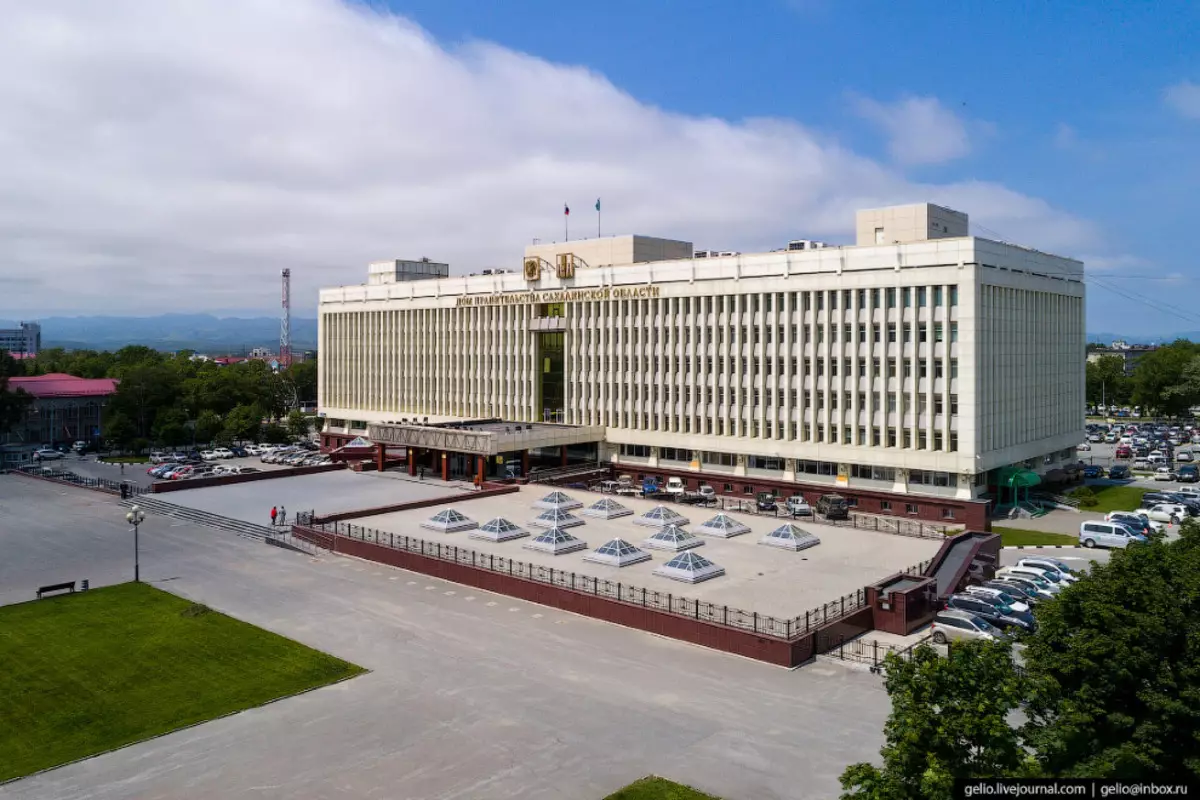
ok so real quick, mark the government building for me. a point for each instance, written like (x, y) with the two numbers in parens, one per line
(913, 372)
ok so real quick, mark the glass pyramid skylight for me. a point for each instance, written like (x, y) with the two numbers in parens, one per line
(555, 541)
(449, 520)
(723, 526)
(556, 518)
(558, 500)
(660, 516)
(606, 509)
(790, 537)
(498, 530)
(689, 568)
(673, 538)
(617, 553)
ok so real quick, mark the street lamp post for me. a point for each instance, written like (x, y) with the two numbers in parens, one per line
(135, 517)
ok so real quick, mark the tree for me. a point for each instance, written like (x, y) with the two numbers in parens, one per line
(119, 429)
(303, 376)
(949, 719)
(298, 425)
(1107, 382)
(1115, 668)
(171, 427)
(275, 434)
(1186, 390)
(244, 422)
(13, 402)
(1157, 373)
(208, 425)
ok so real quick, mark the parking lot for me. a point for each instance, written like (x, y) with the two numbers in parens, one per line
(470, 695)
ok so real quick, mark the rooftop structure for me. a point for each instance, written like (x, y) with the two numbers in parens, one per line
(617, 553)
(57, 384)
(556, 518)
(498, 530)
(555, 541)
(790, 537)
(690, 567)
(558, 500)
(606, 508)
(722, 526)
(661, 516)
(674, 538)
(381, 273)
(449, 521)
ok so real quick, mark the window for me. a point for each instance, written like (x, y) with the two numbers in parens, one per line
(921, 296)
(907, 368)
(876, 333)
(635, 450)
(937, 403)
(953, 448)
(891, 298)
(906, 295)
(907, 333)
(937, 440)
(879, 236)
(947, 513)
(953, 332)
(910, 508)
(820, 301)
(727, 487)
(892, 333)
(891, 402)
(953, 368)
(885, 505)
(937, 295)
(938, 371)
(747, 489)
(870, 473)
(922, 334)
(938, 334)
(862, 334)
(709, 457)
(953, 295)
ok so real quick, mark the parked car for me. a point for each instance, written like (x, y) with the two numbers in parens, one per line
(1136, 521)
(253, 450)
(1052, 565)
(1093, 471)
(1030, 576)
(1167, 512)
(162, 469)
(797, 506)
(833, 506)
(1083, 446)
(1107, 534)
(1124, 451)
(1164, 474)
(1001, 616)
(180, 473)
(951, 625)
(47, 454)
(1188, 473)
(238, 451)
(208, 455)
(1026, 593)
(1119, 472)
(999, 595)
(222, 452)
(765, 501)
(1185, 455)
(1031, 586)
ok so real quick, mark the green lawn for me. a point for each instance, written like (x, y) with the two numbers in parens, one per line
(1116, 498)
(84, 673)
(653, 788)
(1010, 537)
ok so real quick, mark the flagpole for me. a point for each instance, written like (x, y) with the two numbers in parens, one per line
(566, 223)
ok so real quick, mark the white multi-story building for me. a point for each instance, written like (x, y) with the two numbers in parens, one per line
(25, 339)
(907, 372)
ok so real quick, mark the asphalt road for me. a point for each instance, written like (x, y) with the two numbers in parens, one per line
(470, 696)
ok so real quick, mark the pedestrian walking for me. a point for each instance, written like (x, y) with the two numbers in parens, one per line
(283, 515)
(122, 467)
(421, 475)
(274, 514)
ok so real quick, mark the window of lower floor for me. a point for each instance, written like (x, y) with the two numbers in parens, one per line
(947, 513)
(635, 450)
(910, 508)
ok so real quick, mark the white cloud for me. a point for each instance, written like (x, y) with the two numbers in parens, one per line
(920, 130)
(176, 155)
(1184, 99)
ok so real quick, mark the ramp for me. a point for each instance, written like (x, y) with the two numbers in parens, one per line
(967, 554)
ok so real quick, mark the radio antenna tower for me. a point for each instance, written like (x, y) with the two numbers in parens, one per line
(285, 323)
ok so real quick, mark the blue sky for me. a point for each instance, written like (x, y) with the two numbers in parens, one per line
(175, 155)
(1064, 101)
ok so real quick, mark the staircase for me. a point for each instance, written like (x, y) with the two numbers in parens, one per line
(153, 505)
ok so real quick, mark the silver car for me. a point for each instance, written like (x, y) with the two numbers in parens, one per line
(951, 625)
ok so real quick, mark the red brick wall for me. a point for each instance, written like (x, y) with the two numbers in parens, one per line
(731, 640)
(158, 487)
(970, 513)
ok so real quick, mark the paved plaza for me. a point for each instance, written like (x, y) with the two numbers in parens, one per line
(325, 493)
(471, 696)
(757, 578)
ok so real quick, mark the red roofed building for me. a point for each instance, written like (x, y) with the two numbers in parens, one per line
(65, 408)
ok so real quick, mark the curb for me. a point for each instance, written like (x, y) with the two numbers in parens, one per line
(1040, 547)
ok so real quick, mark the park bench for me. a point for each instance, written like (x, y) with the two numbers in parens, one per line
(69, 586)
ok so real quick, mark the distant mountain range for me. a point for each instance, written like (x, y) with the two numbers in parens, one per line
(204, 333)
(1108, 338)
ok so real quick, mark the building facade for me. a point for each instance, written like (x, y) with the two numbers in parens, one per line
(24, 340)
(904, 375)
(65, 409)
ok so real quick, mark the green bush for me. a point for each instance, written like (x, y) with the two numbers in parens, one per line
(1086, 497)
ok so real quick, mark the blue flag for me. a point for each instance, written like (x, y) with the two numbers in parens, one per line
(597, 203)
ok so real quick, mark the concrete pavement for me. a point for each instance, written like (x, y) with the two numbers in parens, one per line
(471, 695)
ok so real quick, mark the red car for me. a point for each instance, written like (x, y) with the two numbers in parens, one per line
(1124, 451)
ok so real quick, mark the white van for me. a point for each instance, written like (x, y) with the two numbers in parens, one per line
(1107, 534)
(675, 486)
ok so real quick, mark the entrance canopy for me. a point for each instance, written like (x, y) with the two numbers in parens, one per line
(1016, 478)
(485, 438)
